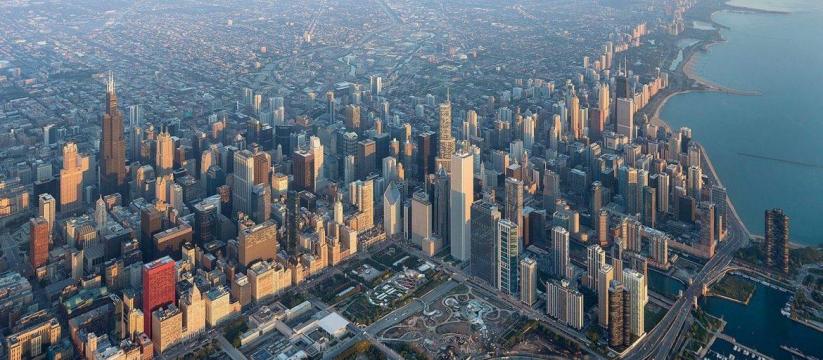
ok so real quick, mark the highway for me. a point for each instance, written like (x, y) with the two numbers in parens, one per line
(660, 341)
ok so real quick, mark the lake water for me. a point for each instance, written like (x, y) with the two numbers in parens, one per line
(664, 285)
(767, 149)
(759, 325)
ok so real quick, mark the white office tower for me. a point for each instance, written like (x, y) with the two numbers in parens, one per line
(560, 255)
(461, 197)
(421, 217)
(635, 284)
(316, 149)
(392, 209)
(625, 117)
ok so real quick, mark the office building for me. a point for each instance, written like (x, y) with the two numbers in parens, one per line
(72, 174)
(241, 191)
(392, 211)
(303, 170)
(159, 288)
(625, 117)
(257, 242)
(30, 335)
(38, 242)
(47, 209)
(514, 202)
(112, 146)
(484, 219)
(167, 327)
(446, 143)
(508, 251)
(421, 217)
(460, 200)
(164, 159)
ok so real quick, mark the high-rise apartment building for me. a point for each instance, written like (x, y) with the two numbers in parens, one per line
(564, 303)
(777, 239)
(560, 245)
(635, 286)
(605, 275)
(528, 281)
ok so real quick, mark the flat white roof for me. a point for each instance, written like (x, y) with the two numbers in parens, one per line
(333, 324)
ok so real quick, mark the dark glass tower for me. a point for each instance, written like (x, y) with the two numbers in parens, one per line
(112, 147)
(777, 239)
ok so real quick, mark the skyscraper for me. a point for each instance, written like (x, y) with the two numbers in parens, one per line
(625, 117)
(243, 181)
(447, 142)
(614, 313)
(71, 178)
(442, 193)
(595, 258)
(303, 170)
(352, 118)
(425, 154)
(392, 208)
(112, 147)
(38, 242)
(605, 275)
(47, 208)
(564, 303)
(257, 242)
(421, 217)
(560, 245)
(635, 285)
(514, 202)
(648, 210)
(164, 161)
(159, 288)
(460, 200)
(777, 239)
(528, 281)
(485, 216)
(508, 251)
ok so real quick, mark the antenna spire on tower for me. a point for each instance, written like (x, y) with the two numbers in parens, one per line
(110, 83)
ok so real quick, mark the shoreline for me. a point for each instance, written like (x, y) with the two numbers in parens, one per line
(692, 82)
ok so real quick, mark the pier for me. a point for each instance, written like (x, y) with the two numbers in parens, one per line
(758, 355)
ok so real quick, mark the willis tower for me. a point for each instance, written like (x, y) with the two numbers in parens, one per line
(112, 147)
